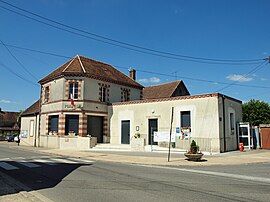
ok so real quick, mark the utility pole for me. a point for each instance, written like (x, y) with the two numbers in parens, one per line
(169, 153)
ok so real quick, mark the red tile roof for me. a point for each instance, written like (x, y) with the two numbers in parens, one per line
(32, 110)
(85, 67)
(8, 119)
(217, 95)
(165, 90)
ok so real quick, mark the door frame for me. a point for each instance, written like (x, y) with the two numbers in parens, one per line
(149, 133)
(121, 134)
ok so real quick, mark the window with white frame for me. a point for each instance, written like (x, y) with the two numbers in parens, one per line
(47, 94)
(185, 119)
(104, 92)
(73, 90)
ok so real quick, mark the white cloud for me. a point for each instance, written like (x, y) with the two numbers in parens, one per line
(5, 101)
(150, 80)
(264, 79)
(238, 77)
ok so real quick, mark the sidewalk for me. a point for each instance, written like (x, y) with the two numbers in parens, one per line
(157, 158)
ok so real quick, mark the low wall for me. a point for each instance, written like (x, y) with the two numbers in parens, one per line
(137, 144)
(67, 142)
(205, 144)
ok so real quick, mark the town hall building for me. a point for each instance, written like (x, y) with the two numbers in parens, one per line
(86, 102)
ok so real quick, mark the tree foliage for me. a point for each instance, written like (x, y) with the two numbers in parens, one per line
(256, 112)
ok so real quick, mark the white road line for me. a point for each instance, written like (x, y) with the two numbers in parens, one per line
(235, 176)
(5, 159)
(39, 157)
(17, 158)
(62, 160)
(81, 160)
(7, 166)
(46, 161)
(28, 164)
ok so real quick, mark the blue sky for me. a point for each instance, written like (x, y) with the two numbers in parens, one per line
(212, 29)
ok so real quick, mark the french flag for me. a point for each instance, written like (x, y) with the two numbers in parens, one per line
(71, 99)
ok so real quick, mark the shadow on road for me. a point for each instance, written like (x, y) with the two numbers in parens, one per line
(36, 178)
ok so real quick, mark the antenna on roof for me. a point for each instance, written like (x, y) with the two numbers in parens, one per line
(175, 75)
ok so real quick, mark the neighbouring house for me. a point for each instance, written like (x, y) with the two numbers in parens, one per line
(166, 90)
(85, 101)
(30, 125)
(9, 122)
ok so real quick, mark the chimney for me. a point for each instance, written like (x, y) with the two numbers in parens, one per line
(132, 73)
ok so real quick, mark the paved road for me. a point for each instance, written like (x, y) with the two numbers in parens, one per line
(72, 179)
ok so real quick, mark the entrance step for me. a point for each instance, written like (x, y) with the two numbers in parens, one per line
(127, 147)
(156, 148)
(112, 147)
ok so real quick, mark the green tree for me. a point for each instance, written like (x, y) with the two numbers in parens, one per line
(256, 112)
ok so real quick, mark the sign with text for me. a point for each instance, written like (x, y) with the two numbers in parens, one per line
(163, 137)
(23, 134)
(69, 106)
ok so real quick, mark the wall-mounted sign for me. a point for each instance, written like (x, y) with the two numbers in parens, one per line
(163, 137)
(185, 133)
(69, 106)
(24, 134)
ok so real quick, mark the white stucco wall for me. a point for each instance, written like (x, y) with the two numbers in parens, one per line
(231, 137)
(205, 120)
(91, 91)
(29, 126)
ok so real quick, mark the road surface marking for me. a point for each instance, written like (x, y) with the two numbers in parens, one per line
(59, 160)
(7, 166)
(28, 164)
(46, 161)
(228, 175)
(81, 160)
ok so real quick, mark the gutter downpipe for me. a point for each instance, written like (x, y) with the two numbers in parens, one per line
(224, 125)
(36, 131)
(39, 116)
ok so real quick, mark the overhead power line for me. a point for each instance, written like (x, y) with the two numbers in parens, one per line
(38, 51)
(196, 79)
(141, 70)
(15, 58)
(17, 75)
(125, 45)
(257, 68)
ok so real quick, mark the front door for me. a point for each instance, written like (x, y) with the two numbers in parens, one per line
(152, 127)
(125, 132)
(245, 135)
(95, 127)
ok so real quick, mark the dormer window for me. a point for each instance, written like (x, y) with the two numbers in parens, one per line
(73, 90)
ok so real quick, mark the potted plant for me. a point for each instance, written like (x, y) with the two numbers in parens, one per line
(194, 154)
(71, 133)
